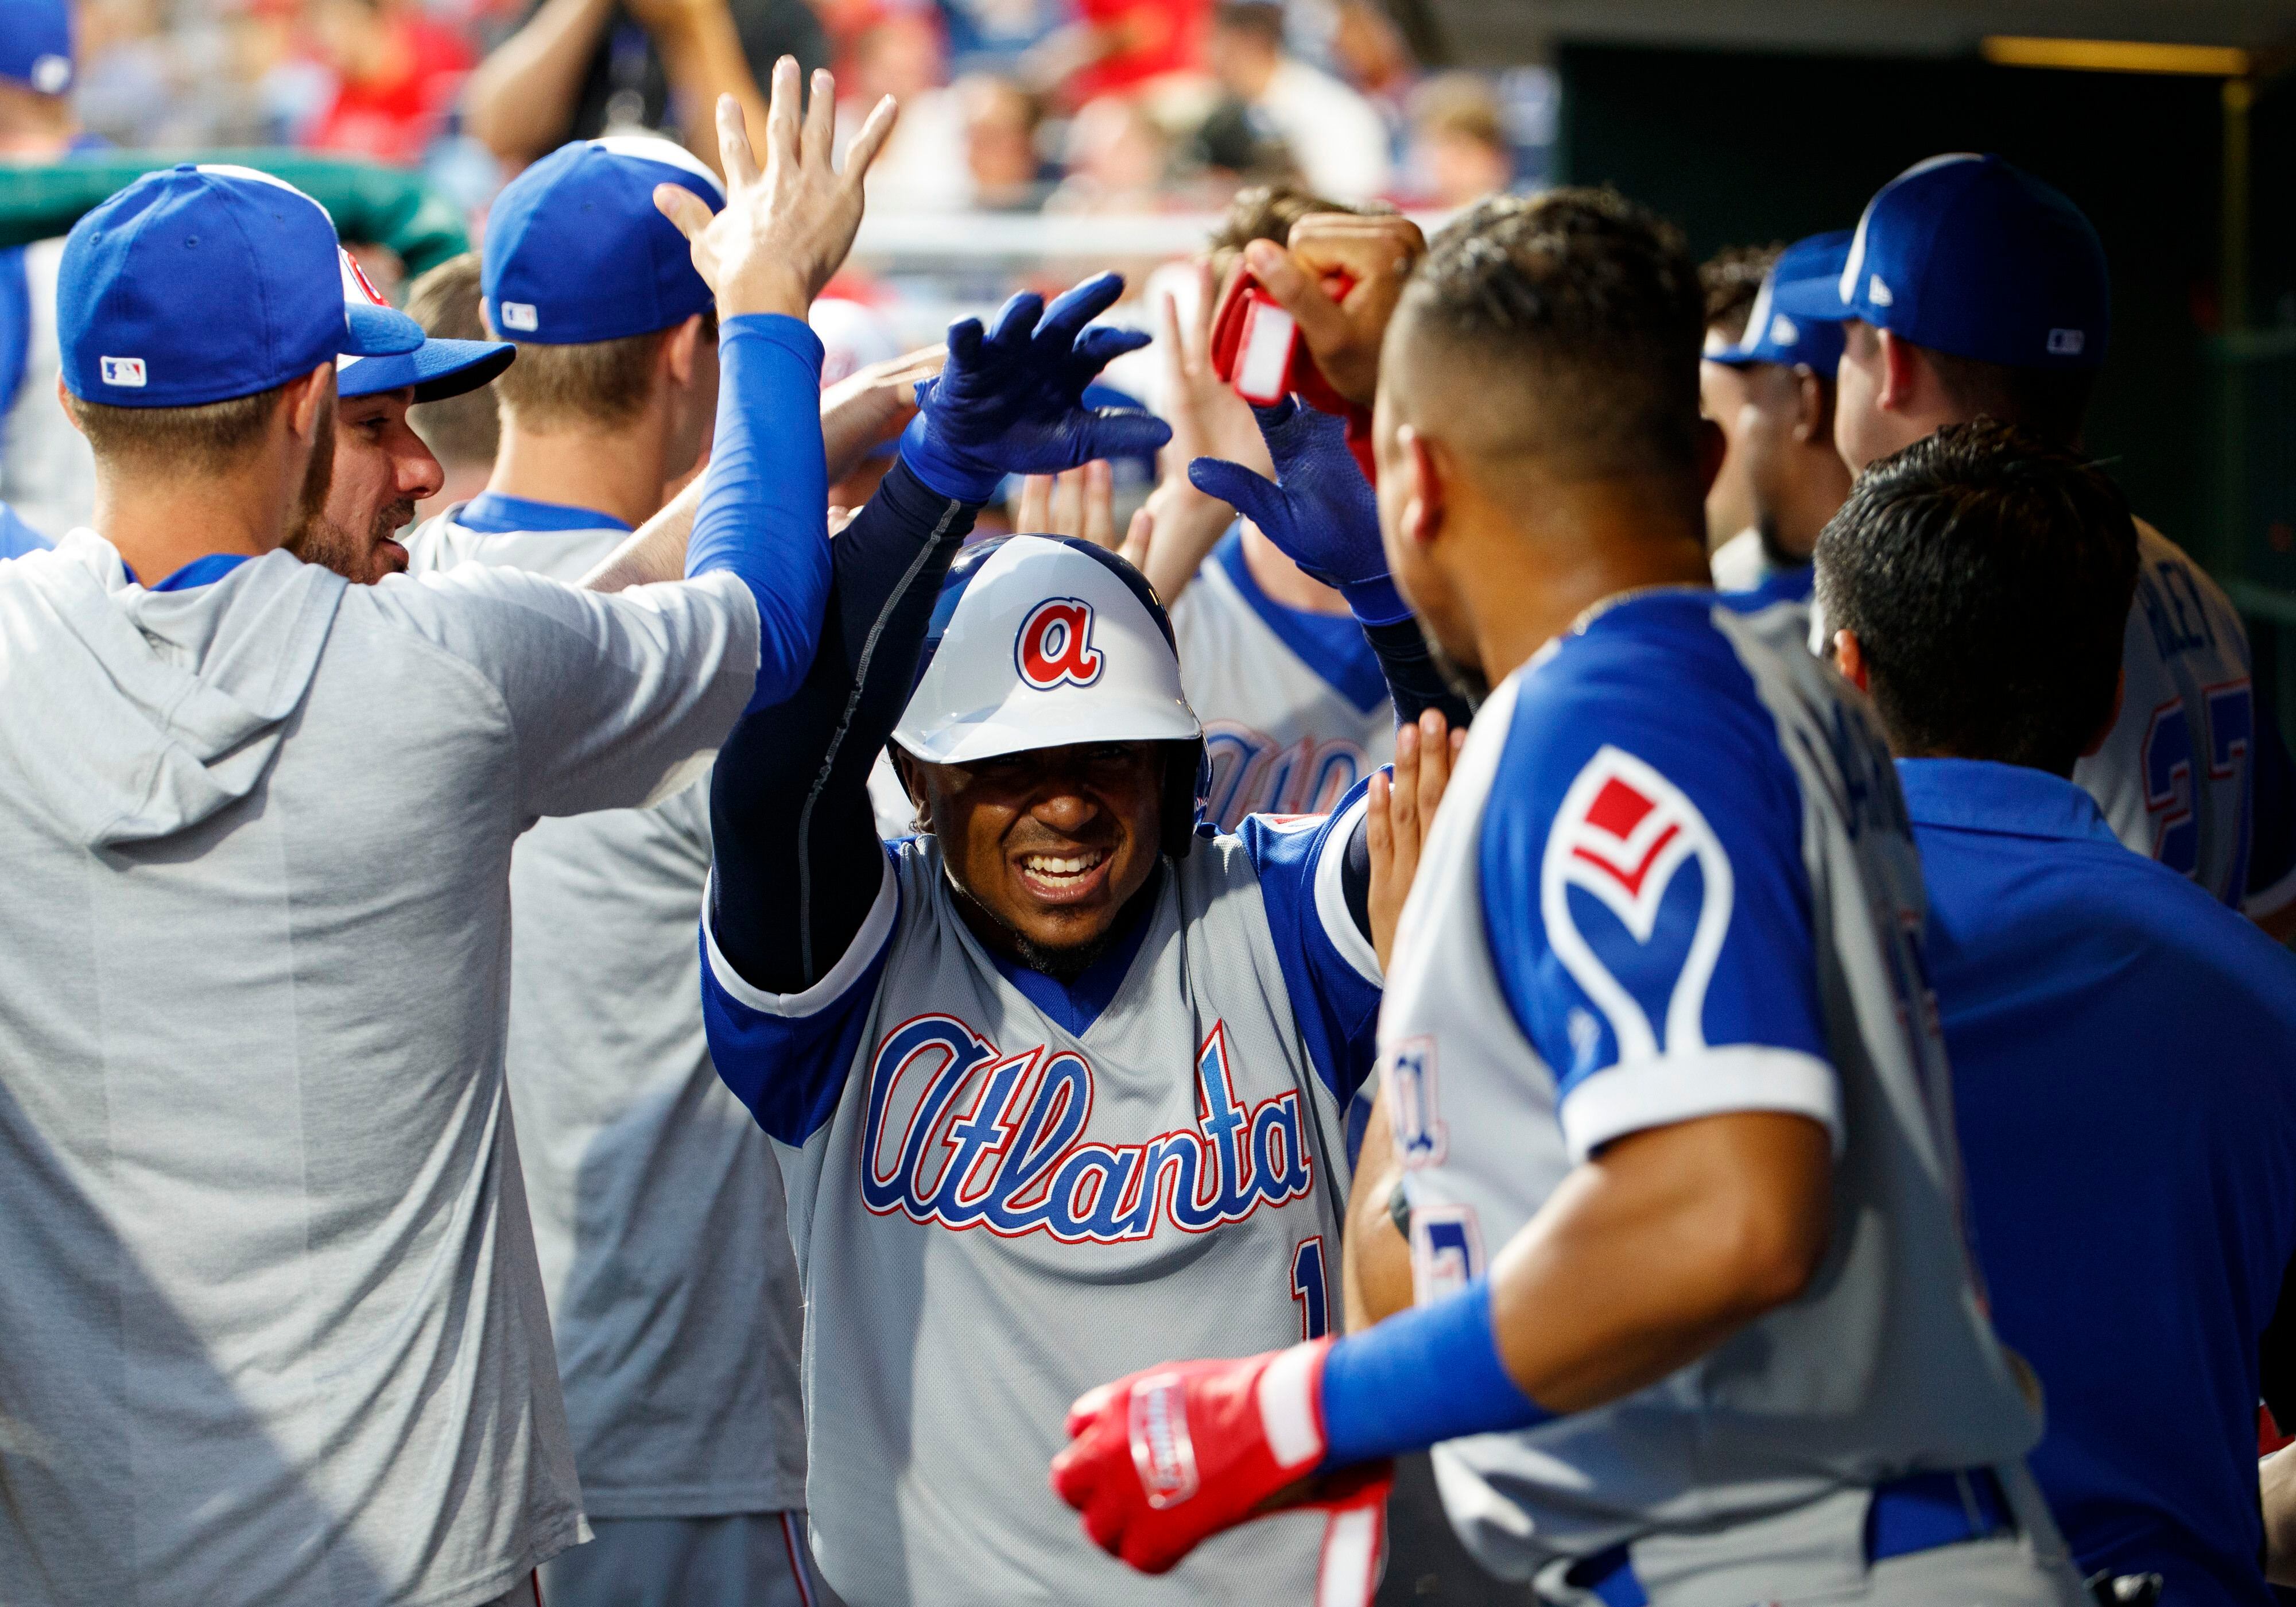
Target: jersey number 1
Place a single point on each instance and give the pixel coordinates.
(1310, 1290)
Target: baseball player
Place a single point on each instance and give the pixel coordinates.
(1057, 1084)
(1730, 280)
(1783, 434)
(274, 1331)
(1978, 584)
(1974, 290)
(657, 1207)
(381, 467)
(1693, 1313)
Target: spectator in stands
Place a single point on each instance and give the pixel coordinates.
(1731, 278)
(579, 69)
(1371, 53)
(1119, 47)
(463, 433)
(45, 469)
(900, 52)
(1460, 152)
(396, 74)
(1336, 136)
(1118, 158)
(1001, 122)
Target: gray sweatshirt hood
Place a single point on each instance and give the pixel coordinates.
(132, 714)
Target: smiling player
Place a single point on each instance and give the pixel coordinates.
(1059, 1084)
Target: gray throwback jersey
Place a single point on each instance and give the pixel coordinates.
(1003, 1196)
(2177, 777)
(271, 1330)
(657, 1203)
(1672, 879)
(1294, 705)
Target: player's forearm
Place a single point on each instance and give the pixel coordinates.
(1644, 1260)
(764, 510)
(520, 99)
(1375, 1260)
(789, 798)
(1413, 681)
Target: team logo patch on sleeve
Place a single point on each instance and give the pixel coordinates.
(1634, 891)
(1055, 647)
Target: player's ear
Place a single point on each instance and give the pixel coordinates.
(1849, 658)
(1813, 407)
(1425, 466)
(307, 398)
(913, 782)
(63, 401)
(678, 347)
(1901, 374)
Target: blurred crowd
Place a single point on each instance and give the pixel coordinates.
(1072, 106)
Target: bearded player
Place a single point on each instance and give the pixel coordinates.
(1693, 1315)
(1057, 1084)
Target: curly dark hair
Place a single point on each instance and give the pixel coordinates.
(1577, 312)
(1988, 575)
(1730, 280)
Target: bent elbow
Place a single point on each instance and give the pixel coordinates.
(1775, 1245)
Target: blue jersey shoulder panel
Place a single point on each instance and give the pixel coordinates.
(1329, 966)
(1643, 889)
(786, 1058)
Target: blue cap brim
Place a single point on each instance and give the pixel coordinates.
(378, 332)
(435, 370)
(1730, 357)
(1817, 298)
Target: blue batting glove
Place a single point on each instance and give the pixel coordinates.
(1320, 510)
(1011, 401)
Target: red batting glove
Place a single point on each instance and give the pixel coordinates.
(1159, 1461)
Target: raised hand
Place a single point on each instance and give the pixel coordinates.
(1378, 253)
(786, 227)
(872, 406)
(1320, 510)
(1400, 813)
(1011, 400)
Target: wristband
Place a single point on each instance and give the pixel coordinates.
(953, 474)
(1375, 601)
(1423, 1376)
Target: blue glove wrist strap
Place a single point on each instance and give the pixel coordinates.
(1375, 601)
(951, 473)
(1423, 1376)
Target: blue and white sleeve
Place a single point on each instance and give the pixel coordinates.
(1329, 965)
(1649, 915)
(786, 1055)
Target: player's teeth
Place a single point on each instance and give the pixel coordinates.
(1043, 865)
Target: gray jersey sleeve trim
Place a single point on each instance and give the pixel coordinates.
(1635, 1096)
(1331, 899)
(876, 931)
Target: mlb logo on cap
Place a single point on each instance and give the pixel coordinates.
(197, 284)
(576, 252)
(1968, 255)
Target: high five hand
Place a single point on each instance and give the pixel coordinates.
(786, 228)
(1010, 400)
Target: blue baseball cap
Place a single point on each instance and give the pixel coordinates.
(1773, 336)
(576, 250)
(436, 370)
(200, 283)
(36, 44)
(1968, 255)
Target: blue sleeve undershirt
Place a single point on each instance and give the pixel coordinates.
(764, 513)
